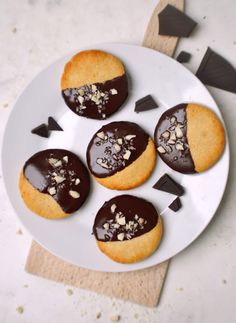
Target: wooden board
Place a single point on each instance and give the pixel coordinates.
(143, 286)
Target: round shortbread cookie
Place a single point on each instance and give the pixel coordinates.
(54, 183)
(121, 155)
(127, 229)
(190, 138)
(94, 84)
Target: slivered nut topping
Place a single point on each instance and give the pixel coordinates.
(120, 141)
(113, 208)
(106, 226)
(179, 132)
(166, 134)
(101, 135)
(117, 147)
(74, 194)
(113, 91)
(52, 161)
(65, 158)
(129, 137)
(121, 236)
(77, 181)
(101, 163)
(161, 150)
(121, 220)
(127, 154)
(173, 120)
(179, 146)
(59, 179)
(52, 190)
(58, 163)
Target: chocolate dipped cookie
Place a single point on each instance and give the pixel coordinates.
(94, 84)
(54, 183)
(127, 229)
(189, 138)
(121, 155)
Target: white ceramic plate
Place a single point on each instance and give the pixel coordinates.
(151, 73)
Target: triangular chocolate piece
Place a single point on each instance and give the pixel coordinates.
(173, 22)
(53, 125)
(167, 184)
(144, 104)
(183, 57)
(41, 130)
(175, 205)
(216, 71)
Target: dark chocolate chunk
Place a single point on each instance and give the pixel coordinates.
(167, 184)
(173, 22)
(183, 57)
(175, 205)
(144, 104)
(41, 130)
(216, 71)
(53, 125)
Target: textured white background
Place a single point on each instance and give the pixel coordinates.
(201, 282)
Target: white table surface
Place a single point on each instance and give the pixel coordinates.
(201, 282)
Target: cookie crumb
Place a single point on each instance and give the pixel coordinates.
(136, 316)
(25, 286)
(98, 315)
(5, 105)
(19, 232)
(14, 30)
(69, 292)
(115, 318)
(224, 281)
(204, 17)
(20, 309)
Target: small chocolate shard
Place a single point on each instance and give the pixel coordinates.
(183, 57)
(175, 205)
(167, 184)
(215, 70)
(53, 125)
(41, 130)
(173, 22)
(144, 104)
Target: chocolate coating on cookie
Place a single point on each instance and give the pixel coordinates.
(171, 140)
(61, 174)
(114, 147)
(124, 217)
(98, 100)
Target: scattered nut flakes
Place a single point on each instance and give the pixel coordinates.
(69, 291)
(52, 190)
(127, 154)
(65, 158)
(77, 181)
(161, 149)
(101, 135)
(115, 318)
(113, 208)
(20, 309)
(113, 91)
(121, 236)
(129, 137)
(120, 141)
(59, 179)
(74, 194)
(19, 232)
(117, 147)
